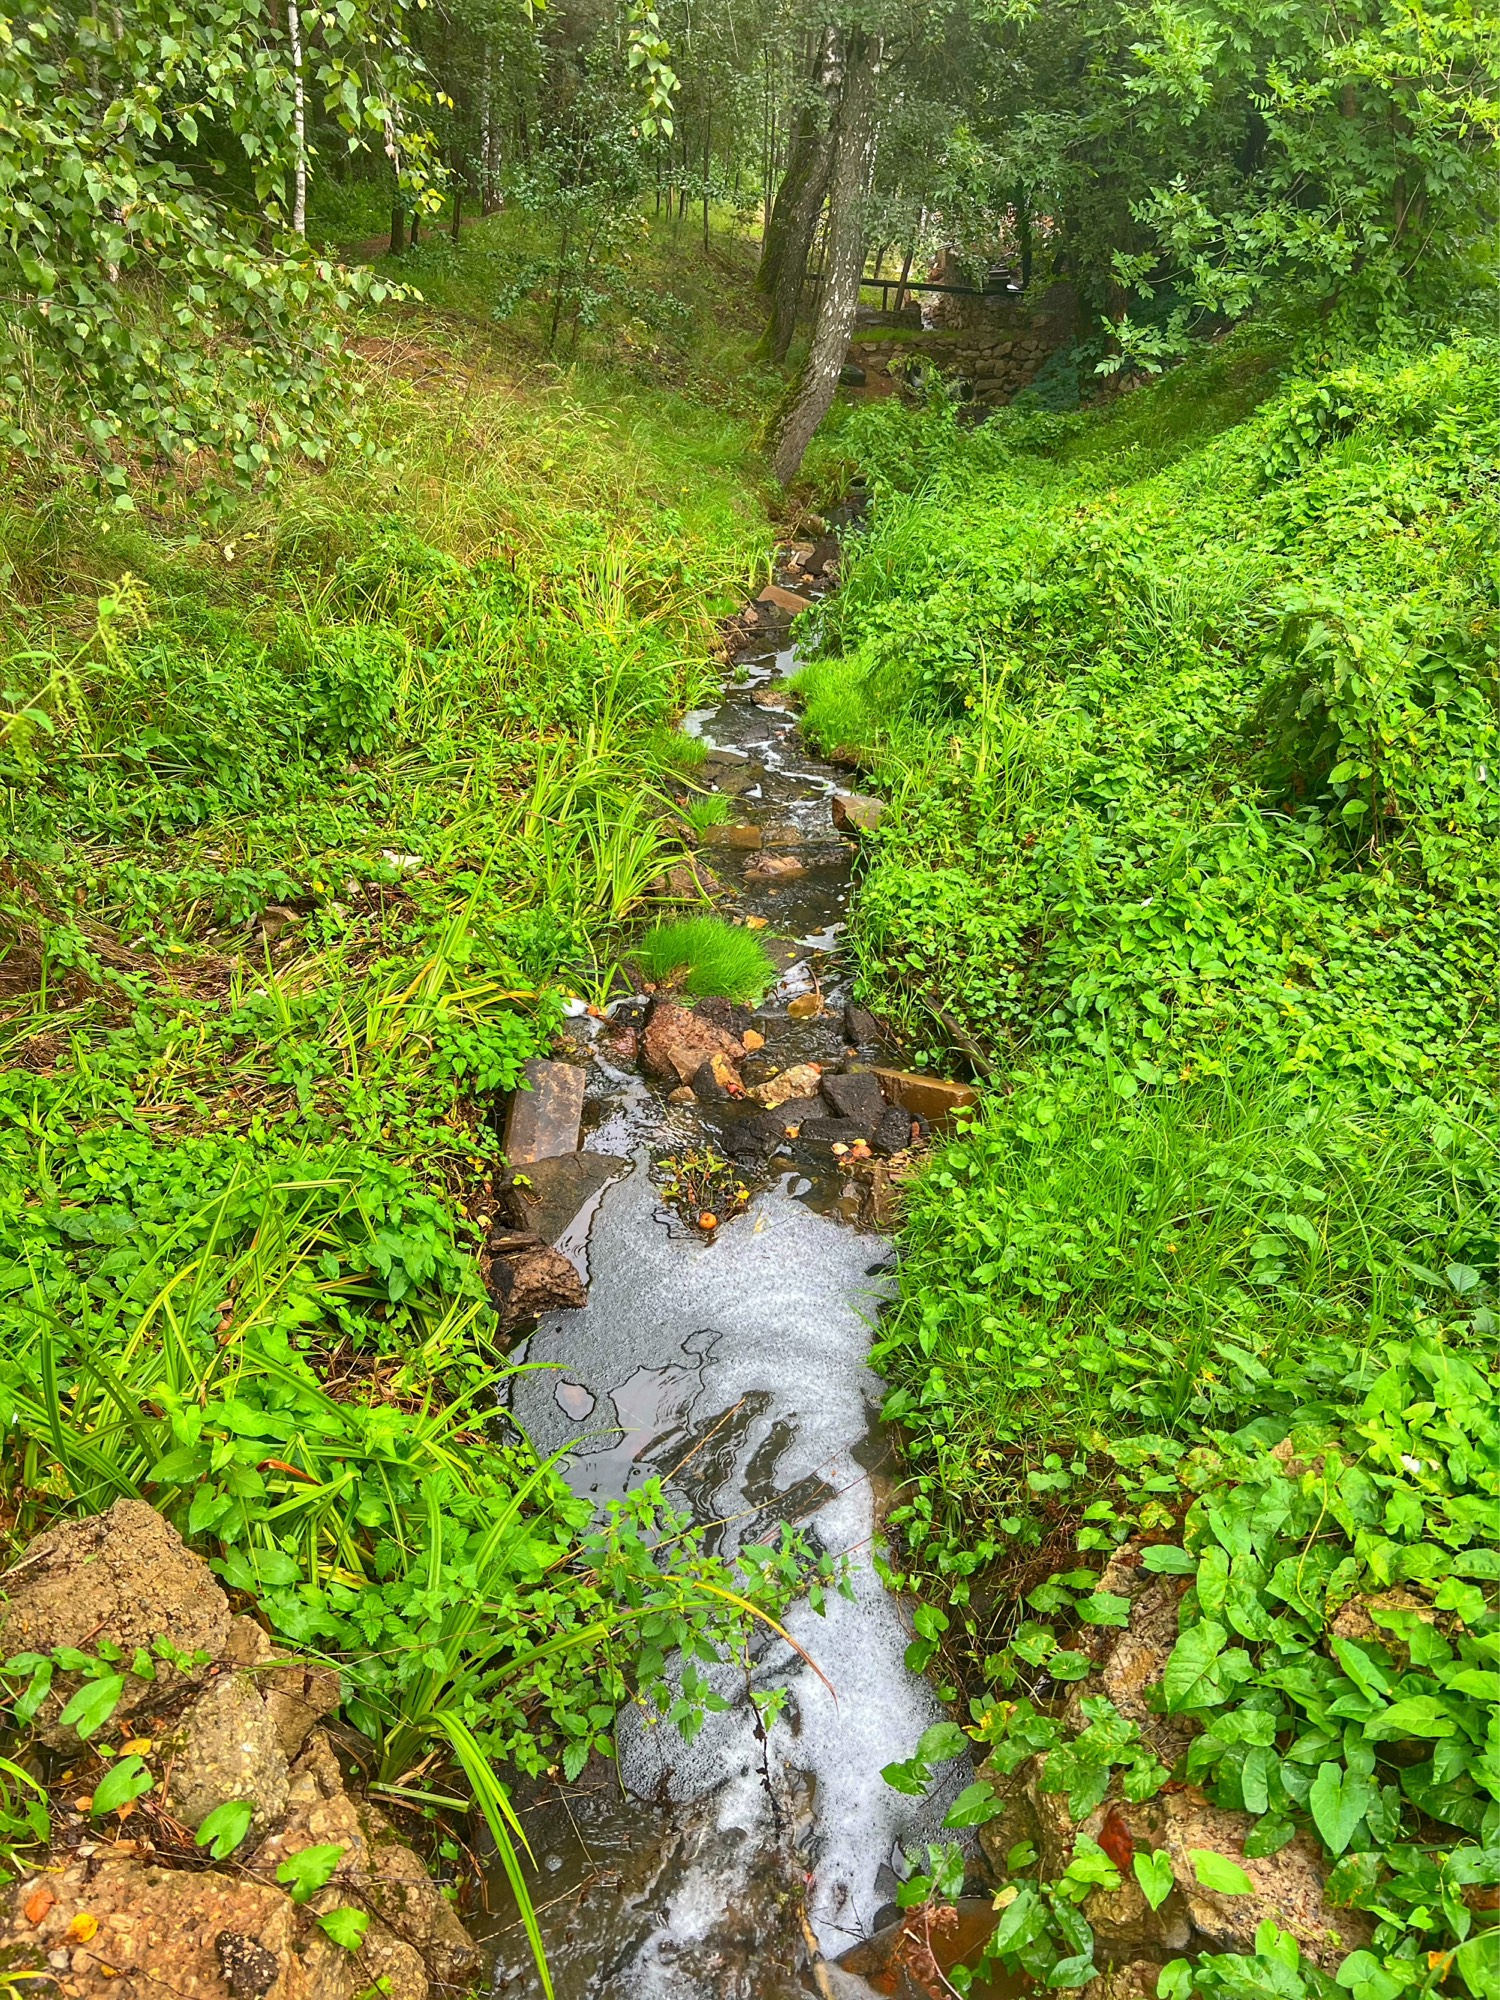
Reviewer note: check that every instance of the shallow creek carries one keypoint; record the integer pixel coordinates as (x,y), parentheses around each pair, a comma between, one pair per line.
(735,1369)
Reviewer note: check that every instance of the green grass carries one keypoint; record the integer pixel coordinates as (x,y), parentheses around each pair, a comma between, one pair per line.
(705,955)
(1188,717)
(316,805)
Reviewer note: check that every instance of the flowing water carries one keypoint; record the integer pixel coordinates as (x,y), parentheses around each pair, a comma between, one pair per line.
(734,1368)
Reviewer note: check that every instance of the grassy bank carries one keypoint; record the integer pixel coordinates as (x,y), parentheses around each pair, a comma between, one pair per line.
(1188,714)
(318,805)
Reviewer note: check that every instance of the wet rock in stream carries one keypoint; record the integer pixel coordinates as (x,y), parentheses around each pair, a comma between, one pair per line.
(678,1040)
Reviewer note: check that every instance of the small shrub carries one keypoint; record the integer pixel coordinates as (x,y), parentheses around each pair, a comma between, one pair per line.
(704,955)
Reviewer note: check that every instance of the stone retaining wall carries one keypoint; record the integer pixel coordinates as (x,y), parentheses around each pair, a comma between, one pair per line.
(996,344)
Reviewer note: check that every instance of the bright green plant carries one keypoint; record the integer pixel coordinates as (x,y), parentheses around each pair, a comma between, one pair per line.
(706,955)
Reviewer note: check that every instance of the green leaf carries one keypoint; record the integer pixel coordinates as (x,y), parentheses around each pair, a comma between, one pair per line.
(93,1705)
(941,1743)
(1104,1608)
(345,1926)
(1072,1972)
(1165,1560)
(1218,1873)
(1154,1873)
(976,1805)
(306,1872)
(225,1827)
(126,1780)
(1189,1679)
(1419,1715)
(1337,1802)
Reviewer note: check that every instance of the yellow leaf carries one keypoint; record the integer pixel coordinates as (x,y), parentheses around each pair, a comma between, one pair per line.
(83,1927)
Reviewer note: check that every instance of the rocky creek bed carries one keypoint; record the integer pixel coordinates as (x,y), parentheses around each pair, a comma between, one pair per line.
(729,1360)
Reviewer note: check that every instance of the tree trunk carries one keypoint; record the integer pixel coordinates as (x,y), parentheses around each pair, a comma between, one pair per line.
(844,258)
(458,204)
(707,136)
(797,243)
(807,161)
(299,120)
(398,228)
(905,274)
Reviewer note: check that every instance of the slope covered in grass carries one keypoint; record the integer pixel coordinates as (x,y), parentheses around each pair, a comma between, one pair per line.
(1190,718)
(315,806)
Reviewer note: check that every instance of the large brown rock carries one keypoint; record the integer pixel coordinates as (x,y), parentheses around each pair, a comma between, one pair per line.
(535,1280)
(123,1576)
(158,1934)
(677,1042)
(544,1117)
(375,1872)
(936,1098)
(226,1746)
(550,1194)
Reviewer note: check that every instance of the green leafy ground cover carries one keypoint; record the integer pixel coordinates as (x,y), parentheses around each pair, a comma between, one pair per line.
(1190,719)
(315,807)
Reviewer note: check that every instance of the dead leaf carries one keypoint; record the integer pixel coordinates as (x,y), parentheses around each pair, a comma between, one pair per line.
(37,1904)
(804,1007)
(83,1927)
(756,923)
(137,1746)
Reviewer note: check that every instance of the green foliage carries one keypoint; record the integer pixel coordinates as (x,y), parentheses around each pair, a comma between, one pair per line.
(706,955)
(311,828)
(1188,718)
(148,154)
(1334,1663)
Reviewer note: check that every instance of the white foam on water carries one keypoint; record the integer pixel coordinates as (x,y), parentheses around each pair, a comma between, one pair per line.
(775,1310)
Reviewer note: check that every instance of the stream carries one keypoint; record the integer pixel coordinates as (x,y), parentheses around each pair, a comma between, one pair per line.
(734,1368)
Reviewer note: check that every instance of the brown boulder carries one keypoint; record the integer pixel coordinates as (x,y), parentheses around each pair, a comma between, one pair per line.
(226,1746)
(677,1042)
(375,1872)
(856,812)
(125,1577)
(532,1280)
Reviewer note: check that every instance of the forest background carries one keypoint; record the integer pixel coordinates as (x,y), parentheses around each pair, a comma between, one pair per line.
(391,398)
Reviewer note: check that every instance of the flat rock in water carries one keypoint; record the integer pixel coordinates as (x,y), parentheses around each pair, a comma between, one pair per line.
(797,1110)
(775,868)
(678,1041)
(535,1281)
(733,836)
(778,599)
(833,1131)
(856,1095)
(935,1098)
(550,1194)
(799,1081)
(857,812)
(544,1118)
(754,1139)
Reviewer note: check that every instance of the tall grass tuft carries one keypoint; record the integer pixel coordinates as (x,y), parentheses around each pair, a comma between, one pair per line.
(705,956)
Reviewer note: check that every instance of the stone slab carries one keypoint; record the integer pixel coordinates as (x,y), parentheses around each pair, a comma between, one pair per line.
(557,1190)
(543,1121)
(784,600)
(936,1098)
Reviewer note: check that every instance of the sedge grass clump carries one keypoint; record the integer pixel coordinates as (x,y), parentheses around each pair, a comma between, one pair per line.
(705,956)
(711,810)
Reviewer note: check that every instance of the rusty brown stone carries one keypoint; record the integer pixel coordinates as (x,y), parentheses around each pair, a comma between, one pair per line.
(937,1099)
